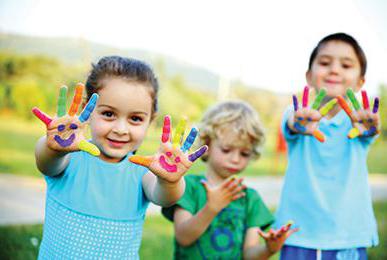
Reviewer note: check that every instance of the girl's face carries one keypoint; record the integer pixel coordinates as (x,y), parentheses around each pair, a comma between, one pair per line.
(336,68)
(121,118)
(226,158)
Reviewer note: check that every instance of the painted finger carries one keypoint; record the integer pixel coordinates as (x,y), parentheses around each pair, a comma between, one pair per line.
(344,105)
(317,102)
(61,111)
(141,160)
(353,133)
(238,196)
(190,139)
(42,116)
(77,99)
(264,235)
(166,129)
(89,148)
(179,132)
(376,105)
(305,97)
(353,99)
(328,107)
(364,97)
(89,108)
(295,103)
(319,135)
(195,155)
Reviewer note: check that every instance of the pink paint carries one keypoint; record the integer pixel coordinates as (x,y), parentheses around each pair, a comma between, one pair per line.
(166,129)
(305,97)
(42,116)
(167,166)
(177,159)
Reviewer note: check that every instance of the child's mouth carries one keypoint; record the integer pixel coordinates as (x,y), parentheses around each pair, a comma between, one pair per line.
(116,143)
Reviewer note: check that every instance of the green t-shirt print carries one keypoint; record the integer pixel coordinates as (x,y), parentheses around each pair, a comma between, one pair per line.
(224,238)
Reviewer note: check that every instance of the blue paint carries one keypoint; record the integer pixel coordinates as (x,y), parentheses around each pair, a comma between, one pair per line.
(73,126)
(61,128)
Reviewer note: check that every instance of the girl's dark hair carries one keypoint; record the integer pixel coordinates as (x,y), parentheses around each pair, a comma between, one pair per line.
(125,68)
(343,37)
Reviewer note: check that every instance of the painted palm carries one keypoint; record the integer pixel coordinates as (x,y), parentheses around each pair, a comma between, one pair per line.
(365,122)
(172,159)
(65,131)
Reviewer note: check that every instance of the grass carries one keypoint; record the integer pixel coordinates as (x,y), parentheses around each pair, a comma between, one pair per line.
(22,242)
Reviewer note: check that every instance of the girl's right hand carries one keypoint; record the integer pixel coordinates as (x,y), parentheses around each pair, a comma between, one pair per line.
(218,197)
(65,131)
(305,120)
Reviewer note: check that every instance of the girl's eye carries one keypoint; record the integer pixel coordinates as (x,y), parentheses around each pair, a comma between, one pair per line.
(347,66)
(136,119)
(108,114)
(324,63)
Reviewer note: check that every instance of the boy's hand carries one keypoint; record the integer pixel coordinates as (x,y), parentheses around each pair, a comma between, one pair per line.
(364,121)
(218,197)
(65,131)
(275,239)
(172,160)
(306,119)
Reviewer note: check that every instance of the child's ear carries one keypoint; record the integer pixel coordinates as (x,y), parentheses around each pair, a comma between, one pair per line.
(308,75)
(359,84)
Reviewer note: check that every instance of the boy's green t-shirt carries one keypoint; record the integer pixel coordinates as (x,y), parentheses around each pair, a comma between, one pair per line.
(224,238)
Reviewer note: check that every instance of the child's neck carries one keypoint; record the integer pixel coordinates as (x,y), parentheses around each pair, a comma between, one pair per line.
(213,177)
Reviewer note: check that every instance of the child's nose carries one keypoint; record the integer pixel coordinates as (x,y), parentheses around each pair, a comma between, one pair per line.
(335,67)
(121,127)
(235,157)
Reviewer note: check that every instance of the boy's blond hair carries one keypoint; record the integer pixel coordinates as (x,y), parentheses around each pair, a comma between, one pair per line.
(237,116)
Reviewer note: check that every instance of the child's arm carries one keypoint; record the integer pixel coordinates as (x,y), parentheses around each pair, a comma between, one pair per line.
(164,184)
(162,192)
(48,161)
(189,228)
(64,133)
(274,240)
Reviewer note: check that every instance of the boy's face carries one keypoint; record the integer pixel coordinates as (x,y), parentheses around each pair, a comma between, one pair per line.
(121,118)
(227,156)
(336,68)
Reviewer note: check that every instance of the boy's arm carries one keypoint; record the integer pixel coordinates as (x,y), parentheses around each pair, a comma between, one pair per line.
(48,161)
(188,227)
(161,192)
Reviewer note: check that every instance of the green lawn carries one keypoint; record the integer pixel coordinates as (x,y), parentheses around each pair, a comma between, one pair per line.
(22,242)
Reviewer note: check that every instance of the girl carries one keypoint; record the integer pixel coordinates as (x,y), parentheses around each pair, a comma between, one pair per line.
(326,188)
(218,217)
(96,200)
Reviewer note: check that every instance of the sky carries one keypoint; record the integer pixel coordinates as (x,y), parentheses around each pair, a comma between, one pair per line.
(263,43)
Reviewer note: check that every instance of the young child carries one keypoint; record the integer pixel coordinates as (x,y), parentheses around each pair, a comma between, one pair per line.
(326,189)
(96,200)
(218,217)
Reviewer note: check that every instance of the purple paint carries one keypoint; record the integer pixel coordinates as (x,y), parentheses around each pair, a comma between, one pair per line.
(73,126)
(66,142)
(376,105)
(166,166)
(61,128)
(295,103)
(192,157)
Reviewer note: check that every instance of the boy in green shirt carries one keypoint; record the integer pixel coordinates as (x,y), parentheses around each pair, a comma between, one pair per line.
(218,217)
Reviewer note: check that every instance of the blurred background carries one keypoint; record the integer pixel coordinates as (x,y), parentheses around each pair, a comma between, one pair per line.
(202,52)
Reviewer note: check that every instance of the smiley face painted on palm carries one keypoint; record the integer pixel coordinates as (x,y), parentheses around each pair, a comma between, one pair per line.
(168,166)
(65,142)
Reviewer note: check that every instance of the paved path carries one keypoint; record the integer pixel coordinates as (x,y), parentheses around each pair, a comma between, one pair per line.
(22,198)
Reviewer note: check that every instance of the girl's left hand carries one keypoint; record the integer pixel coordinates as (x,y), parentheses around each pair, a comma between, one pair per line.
(275,239)
(172,160)
(365,122)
